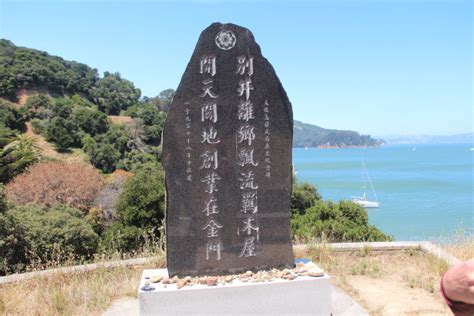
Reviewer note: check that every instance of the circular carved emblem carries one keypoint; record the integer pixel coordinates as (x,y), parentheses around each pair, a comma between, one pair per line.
(225,40)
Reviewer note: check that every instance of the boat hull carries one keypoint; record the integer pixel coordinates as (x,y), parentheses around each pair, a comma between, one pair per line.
(366,204)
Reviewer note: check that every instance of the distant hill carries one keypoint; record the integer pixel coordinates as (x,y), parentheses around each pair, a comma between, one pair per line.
(466,138)
(307,135)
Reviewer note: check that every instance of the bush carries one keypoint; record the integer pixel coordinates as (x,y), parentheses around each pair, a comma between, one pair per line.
(17,156)
(338,222)
(103,214)
(52,183)
(90,120)
(53,233)
(303,196)
(122,238)
(104,156)
(13,246)
(39,106)
(113,94)
(142,201)
(140,212)
(11,117)
(7,135)
(62,132)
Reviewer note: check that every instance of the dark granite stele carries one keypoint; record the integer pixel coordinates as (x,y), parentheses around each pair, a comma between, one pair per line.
(227,156)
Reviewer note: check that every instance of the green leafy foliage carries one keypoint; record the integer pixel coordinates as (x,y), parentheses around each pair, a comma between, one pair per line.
(113,94)
(315,136)
(39,107)
(16,156)
(62,132)
(7,135)
(344,221)
(35,234)
(11,117)
(90,120)
(152,118)
(13,246)
(59,229)
(24,67)
(140,211)
(303,196)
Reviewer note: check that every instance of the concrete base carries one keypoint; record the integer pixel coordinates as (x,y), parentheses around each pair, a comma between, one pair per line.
(304,295)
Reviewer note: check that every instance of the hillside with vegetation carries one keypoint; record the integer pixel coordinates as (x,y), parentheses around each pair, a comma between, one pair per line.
(308,135)
(80,171)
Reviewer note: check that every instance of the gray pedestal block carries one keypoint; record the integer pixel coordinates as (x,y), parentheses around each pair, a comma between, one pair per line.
(304,295)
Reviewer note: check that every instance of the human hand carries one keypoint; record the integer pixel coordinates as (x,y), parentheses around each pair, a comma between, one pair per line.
(458,282)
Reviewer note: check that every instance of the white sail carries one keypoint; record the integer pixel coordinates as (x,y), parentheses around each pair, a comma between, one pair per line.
(363,201)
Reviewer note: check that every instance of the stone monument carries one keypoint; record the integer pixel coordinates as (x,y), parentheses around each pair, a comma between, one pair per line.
(227,157)
(227,146)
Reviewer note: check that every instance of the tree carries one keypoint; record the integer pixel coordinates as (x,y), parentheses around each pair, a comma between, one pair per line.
(105,157)
(113,94)
(338,222)
(53,183)
(10,117)
(166,97)
(90,120)
(13,246)
(62,132)
(303,196)
(17,156)
(39,106)
(6,136)
(55,233)
(140,211)
(142,201)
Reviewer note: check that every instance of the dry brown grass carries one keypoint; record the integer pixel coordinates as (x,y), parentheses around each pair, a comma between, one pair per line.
(462,249)
(121,119)
(48,152)
(82,293)
(385,283)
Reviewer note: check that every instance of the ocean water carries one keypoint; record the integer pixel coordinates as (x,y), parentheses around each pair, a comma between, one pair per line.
(425,191)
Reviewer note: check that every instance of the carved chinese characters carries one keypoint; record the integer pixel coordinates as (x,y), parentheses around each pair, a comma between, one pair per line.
(227,157)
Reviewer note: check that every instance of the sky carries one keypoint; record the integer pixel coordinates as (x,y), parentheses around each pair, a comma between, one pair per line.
(378,67)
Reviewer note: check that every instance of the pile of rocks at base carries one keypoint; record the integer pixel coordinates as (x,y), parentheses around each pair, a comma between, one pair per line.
(301,269)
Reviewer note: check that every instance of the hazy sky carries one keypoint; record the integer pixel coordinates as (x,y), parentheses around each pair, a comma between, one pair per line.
(378,67)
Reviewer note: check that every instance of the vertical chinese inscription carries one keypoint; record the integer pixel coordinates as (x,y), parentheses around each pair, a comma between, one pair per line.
(210,159)
(228,170)
(248,230)
(188,148)
(266,148)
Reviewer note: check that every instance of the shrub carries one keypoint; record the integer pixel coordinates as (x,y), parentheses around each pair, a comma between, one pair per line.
(7,135)
(39,106)
(90,120)
(140,212)
(303,196)
(17,156)
(104,156)
(52,183)
(56,232)
(113,94)
(62,132)
(13,246)
(338,222)
(142,201)
(103,214)
(11,117)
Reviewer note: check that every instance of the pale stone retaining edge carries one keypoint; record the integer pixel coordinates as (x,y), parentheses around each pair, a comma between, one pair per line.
(425,246)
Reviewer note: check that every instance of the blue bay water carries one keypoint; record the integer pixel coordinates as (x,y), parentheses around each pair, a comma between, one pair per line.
(424,194)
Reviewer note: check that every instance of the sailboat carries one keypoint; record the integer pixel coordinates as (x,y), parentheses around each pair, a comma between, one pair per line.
(362,200)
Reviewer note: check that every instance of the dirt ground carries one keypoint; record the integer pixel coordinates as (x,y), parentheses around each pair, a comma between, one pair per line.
(387,283)
(48,151)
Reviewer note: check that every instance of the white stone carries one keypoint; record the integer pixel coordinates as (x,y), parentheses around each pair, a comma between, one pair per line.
(304,295)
